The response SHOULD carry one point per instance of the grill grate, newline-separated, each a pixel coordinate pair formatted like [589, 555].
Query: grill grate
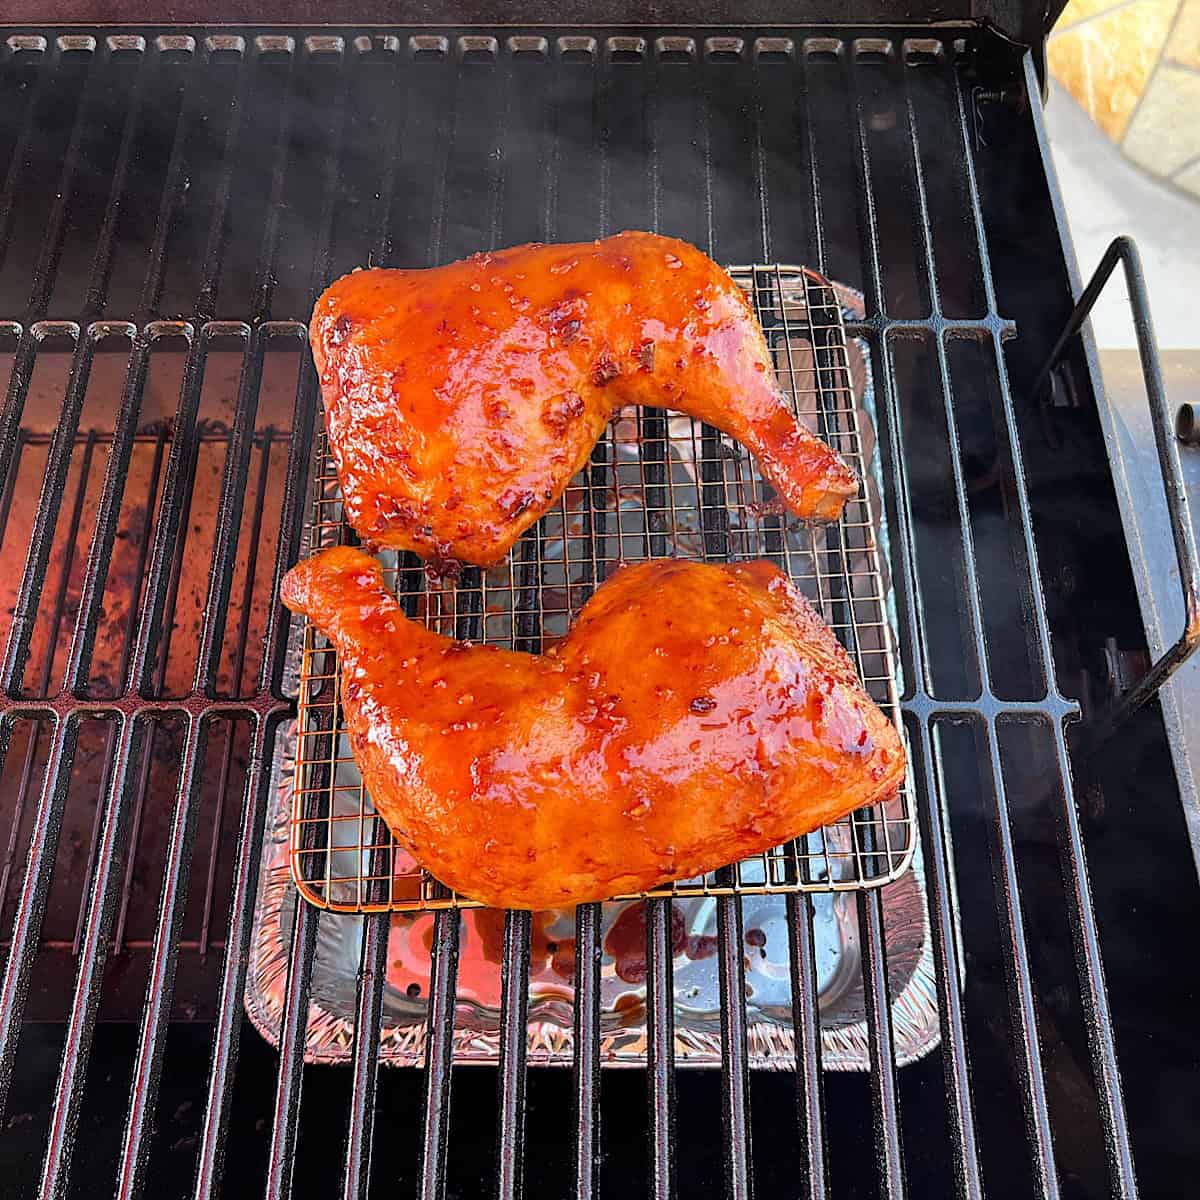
[198, 187]
[659, 485]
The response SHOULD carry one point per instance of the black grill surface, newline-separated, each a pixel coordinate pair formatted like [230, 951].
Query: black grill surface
[170, 203]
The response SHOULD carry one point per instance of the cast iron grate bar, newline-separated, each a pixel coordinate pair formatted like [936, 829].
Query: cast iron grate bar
[368, 1019]
[806, 1029]
[587, 1050]
[510, 1079]
[55, 717]
[660, 1038]
[439, 1050]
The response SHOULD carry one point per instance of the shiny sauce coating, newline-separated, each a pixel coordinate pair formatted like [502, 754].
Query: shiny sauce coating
[461, 400]
[695, 714]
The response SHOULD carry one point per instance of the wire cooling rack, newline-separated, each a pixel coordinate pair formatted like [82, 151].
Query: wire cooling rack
[658, 485]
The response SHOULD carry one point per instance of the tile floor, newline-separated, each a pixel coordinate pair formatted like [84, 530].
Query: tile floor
[1134, 68]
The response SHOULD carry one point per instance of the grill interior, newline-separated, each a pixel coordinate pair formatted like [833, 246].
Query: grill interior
[170, 204]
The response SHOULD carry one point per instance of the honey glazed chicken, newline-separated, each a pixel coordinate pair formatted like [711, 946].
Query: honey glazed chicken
[695, 715]
[461, 400]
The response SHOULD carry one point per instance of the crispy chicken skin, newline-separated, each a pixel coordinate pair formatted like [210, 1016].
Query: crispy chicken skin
[695, 714]
[461, 400]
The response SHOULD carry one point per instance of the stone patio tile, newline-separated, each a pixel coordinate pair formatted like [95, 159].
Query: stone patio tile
[1165, 132]
[1081, 10]
[1184, 46]
[1189, 179]
[1107, 62]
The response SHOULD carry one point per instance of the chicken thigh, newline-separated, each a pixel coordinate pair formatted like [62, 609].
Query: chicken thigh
[461, 400]
[696, 714]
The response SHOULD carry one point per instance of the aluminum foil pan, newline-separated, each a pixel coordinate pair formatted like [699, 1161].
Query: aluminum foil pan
[330, 1029]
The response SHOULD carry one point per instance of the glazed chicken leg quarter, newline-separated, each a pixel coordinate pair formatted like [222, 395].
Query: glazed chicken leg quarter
[696, 714]
[461, 400]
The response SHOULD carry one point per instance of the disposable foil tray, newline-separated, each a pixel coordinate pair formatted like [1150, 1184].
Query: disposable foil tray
[830, 858]
[329, 1034]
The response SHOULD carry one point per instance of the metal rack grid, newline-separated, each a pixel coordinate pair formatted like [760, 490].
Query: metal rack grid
[659, 485]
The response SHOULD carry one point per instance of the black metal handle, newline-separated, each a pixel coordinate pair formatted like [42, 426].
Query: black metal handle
[1124, 251]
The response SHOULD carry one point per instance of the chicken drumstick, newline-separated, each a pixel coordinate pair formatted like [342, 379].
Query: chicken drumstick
[696, 714]
[461, 400]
